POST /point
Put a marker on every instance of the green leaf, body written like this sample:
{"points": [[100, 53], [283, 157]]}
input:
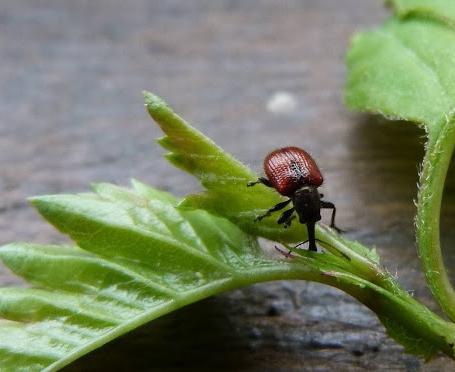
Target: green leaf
{"points": [[226, 192], [224, 177], [406, 70], [139, 258]]}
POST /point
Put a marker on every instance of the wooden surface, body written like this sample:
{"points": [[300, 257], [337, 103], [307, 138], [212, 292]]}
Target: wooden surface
{"points": [[71, 113]]}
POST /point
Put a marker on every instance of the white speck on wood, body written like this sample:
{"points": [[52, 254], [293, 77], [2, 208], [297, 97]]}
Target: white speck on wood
{"points": [[282, 103]]}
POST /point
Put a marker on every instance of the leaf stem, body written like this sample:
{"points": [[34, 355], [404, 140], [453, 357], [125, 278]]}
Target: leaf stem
{"points": [[436, 162], [418, 327]]}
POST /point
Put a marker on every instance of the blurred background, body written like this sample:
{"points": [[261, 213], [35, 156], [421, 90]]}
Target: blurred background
{"points": [[252, 75]]}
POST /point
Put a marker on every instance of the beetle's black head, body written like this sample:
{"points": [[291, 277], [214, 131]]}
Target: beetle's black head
{"points": [[307, 204]]}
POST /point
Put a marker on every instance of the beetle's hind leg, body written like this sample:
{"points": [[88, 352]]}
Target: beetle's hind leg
{"points": [[286, 218], [277, 207], [330, 205], [262, 180]]}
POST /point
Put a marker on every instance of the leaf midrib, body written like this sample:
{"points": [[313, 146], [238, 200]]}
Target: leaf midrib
{"points": [[143, 318]]}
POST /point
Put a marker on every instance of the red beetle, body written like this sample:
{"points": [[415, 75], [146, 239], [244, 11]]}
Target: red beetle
{"points": [[293, 173]]}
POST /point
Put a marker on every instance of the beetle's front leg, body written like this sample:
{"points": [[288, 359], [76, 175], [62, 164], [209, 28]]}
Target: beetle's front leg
{"points": [[273, 209], [286, 218]]}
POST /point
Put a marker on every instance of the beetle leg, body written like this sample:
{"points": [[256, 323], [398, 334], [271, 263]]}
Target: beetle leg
{"points": [[262, 180], [289, 222], [286, 218], [273, 209], [330, 205], [301, 243], [311, 237]]}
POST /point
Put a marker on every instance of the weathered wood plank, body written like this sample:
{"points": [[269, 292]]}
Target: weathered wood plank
{"points": [[71, 113]]}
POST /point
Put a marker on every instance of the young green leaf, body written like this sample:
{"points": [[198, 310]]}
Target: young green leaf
{"points": [[226, 192], [406, 70], [224, 177]]}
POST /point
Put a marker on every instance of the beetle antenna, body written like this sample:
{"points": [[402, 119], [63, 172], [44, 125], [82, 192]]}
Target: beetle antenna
{"points": [[287, 255]]}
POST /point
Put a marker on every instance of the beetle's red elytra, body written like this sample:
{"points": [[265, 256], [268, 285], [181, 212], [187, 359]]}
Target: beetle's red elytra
{"points": [[292, 172], [290, 168]]}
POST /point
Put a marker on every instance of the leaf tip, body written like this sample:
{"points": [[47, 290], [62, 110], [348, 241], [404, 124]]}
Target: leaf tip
{"points": [[166, 143], [190, 202], [176, 159], [153, 102], [35, 201]]}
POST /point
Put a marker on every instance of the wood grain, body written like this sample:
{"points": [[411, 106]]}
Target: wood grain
{"points": [[71, 113]]}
